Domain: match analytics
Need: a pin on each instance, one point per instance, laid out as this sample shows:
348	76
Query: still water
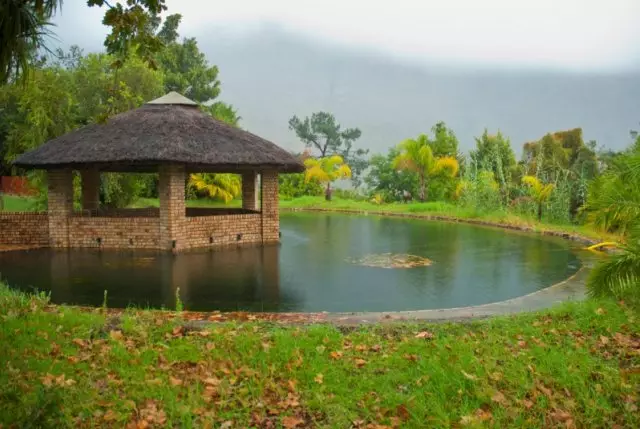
312	269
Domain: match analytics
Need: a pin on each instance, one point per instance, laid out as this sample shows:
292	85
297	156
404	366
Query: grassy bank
439	208
575	366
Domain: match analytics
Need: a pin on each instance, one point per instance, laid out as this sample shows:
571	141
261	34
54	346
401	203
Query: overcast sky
394	68
585	35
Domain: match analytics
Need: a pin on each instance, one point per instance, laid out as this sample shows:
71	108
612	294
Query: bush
294	186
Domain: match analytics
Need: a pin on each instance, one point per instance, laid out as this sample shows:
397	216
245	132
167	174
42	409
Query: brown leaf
402	412
376	348
600	311
604	340
319	378
210	346
495	376
527	404
290	422
413	358
175	381
115	335
425	334
360	363
212	381
545	390
335	355
499	398
110	416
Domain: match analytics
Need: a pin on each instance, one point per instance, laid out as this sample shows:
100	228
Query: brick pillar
60	206
90	189
270	215
250	191
172	207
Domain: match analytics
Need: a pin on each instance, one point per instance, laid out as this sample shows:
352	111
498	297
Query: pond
326	262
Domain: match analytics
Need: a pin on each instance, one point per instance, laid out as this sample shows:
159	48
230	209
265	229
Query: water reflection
309	271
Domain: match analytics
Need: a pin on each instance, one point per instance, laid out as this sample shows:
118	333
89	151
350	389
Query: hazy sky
566	34
394	68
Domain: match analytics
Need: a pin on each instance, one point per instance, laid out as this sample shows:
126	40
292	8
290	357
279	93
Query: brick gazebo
172	137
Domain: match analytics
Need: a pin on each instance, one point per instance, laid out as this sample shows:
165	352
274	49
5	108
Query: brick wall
223	230
115	233
60	188
250	191
24	229
171	191
270	215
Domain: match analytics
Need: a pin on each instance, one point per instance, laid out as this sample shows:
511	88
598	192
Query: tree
615	205
326	170
222	186
494	153
384	178
417	156
445	142
186	69
322	133
24	26
223	112
539	191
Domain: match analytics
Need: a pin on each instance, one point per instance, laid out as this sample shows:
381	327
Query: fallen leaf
212	381
412	358
109	416
499	398
291	422
319	379
527	404
175	381
210	346
600	311
402	412
376	348
360	363
226	425
425	334
335	355
116	335
495	376
604	340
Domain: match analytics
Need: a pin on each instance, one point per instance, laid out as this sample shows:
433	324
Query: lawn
574	366
18	204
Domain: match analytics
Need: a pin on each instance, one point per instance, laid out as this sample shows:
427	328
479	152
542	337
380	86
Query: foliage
613	202
326	170
185	67
220	186
538	191
295	186
479	191
389	181
322	133
23	28
494	153
444	142
223	112
417	156
130	30
619	274
153	370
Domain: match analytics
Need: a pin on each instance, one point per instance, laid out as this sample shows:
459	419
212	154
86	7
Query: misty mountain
270	74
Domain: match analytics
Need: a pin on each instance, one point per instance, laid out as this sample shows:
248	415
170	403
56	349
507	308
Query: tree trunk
327	192
540	212
422	189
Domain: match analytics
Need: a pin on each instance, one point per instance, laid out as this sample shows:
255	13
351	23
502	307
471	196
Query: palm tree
326	170
417	156
619	274
614	204
539	192
219	186
23	26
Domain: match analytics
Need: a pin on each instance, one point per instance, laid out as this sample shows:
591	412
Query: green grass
154	202
18	204
574	366
440	208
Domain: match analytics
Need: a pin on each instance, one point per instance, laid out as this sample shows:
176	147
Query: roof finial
173	98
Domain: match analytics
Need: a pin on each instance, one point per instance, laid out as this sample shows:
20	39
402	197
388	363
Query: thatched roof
171	129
